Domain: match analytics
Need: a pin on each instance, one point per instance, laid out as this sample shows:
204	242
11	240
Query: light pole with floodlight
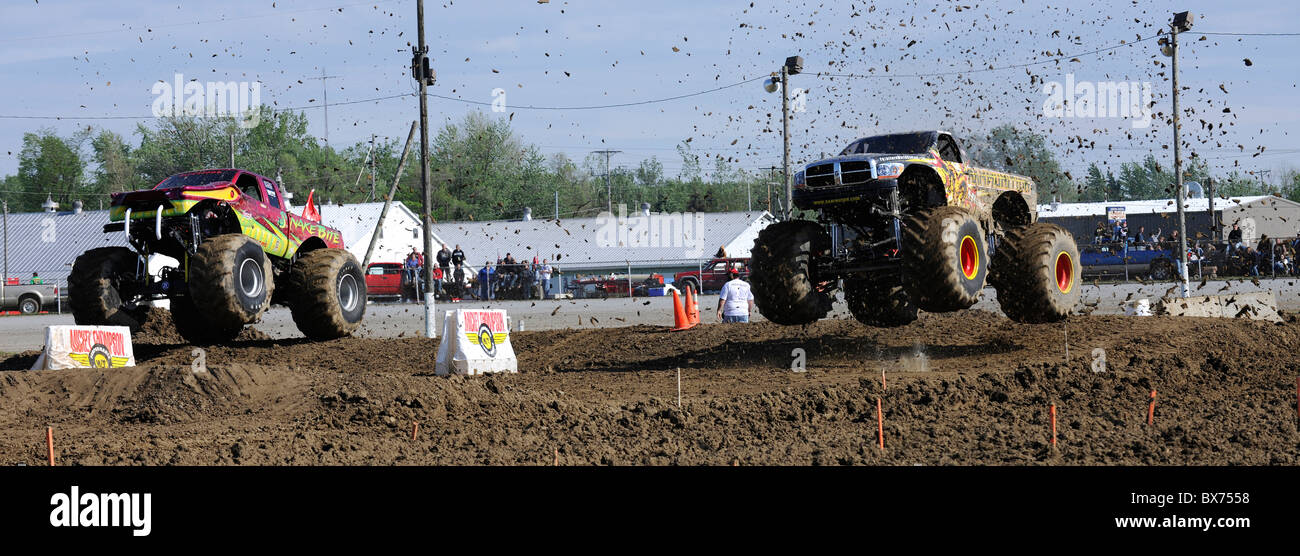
1169	47
793	66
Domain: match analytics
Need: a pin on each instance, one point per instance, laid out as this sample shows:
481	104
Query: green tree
1094	187
51	167
115	170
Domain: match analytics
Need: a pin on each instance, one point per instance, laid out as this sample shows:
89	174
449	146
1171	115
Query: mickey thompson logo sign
97	348
485	329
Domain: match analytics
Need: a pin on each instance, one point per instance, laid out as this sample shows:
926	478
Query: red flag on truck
309	212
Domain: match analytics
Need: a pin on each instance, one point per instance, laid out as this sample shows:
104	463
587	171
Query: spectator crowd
1235	257
506	279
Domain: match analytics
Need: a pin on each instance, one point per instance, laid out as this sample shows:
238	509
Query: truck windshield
196	178
897	143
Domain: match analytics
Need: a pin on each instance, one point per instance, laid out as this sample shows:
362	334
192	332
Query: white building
356	222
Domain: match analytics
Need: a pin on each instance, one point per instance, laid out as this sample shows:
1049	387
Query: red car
384	280
715	275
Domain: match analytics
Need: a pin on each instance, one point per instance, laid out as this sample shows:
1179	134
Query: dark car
1113	260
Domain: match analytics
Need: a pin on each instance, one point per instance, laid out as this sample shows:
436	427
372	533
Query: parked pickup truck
715	275
1108	260
384	280
28	298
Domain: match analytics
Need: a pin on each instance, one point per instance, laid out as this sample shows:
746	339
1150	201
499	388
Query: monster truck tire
96	284
328	291
194	326
945	258
878	304
1036	273
785	290
230	281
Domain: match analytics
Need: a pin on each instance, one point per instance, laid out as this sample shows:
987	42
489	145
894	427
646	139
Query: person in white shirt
736	300
544	276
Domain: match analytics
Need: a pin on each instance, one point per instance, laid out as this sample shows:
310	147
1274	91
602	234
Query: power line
603	106
326	105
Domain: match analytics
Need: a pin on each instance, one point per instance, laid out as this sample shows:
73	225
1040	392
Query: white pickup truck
28	298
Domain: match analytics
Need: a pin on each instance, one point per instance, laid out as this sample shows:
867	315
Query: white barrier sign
81	347
475	342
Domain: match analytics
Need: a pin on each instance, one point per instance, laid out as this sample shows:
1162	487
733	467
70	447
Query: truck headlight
889	169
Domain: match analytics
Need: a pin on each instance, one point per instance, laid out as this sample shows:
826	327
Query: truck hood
148	196
867	157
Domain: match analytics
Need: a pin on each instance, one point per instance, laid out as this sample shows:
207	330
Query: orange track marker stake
557	457
415	429
880	424
883	385
1053	411
1151	409
49	443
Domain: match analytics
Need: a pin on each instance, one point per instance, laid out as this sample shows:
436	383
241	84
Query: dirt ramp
156	394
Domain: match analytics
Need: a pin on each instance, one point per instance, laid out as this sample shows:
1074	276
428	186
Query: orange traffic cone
692	306
681	321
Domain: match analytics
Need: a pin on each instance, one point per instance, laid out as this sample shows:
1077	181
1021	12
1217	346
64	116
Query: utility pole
388	201
6	226
325	97
422	73
372	166
232	150
1182	22
785	138
771	173
609	189
557	205
793	66
1214	220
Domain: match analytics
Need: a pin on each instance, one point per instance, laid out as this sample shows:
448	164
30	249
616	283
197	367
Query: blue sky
95	58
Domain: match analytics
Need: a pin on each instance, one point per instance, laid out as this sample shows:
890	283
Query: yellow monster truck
906	222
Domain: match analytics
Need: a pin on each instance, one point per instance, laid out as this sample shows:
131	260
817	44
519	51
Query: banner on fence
1115	215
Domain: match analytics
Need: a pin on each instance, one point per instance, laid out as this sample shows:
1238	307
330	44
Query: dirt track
1227	394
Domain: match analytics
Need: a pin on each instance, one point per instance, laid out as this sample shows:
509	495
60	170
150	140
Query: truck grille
838	173
820	175
855	172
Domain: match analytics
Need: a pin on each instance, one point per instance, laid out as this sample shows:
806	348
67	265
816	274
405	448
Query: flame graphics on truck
97	348
485	329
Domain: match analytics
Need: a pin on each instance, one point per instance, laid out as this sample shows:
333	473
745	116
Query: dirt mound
20	361
159	329
966	388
